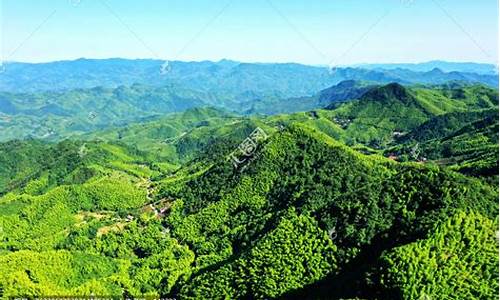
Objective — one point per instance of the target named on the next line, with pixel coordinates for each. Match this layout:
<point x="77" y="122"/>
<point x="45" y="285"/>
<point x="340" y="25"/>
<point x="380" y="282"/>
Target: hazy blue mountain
<point x="284" y="80"/>
<point x="467" y="67"/>
<point x="346" y="90"/>
<point x="405" y="76"/>
<point x="342" y="92"/>
<point x="236" y="78"/>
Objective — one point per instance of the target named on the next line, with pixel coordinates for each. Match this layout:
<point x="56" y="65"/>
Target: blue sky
<point x="323" y="32"/>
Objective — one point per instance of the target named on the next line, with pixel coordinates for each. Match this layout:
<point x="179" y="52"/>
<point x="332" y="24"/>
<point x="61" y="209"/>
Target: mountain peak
<point x="389" y="92"/>
<point x="436" y="70"/>
<point x="347" y="83"/>
<point x="343" y="91"/>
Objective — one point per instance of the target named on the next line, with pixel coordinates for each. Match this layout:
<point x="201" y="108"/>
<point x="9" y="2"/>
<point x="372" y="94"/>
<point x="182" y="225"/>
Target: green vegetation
<point x="315" y="211"/>
<point x="464" y="141"/>
<point x="39" y="102"/>
<point x="384" y="113"/>
<point x="458" y="261"/>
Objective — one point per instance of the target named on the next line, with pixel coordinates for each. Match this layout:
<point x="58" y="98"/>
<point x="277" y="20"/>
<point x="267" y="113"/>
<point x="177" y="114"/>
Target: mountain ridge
<point x="300" y="80"/>
<point x="304" y="212"/>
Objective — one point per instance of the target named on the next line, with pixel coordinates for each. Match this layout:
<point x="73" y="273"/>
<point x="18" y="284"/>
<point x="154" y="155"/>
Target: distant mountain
<point x="54" y="115"/>
<point x="405" y="76"/>
<point x="284" y="80"/>
<point x="51" y="115"/>
<point x="231" y="78"/>
<point x="54" y="100"/>
<point x="334" y="95"/>
<point x="437" y="76"/>
<point x="466" y="67"/>
<point x="344" y="91"/>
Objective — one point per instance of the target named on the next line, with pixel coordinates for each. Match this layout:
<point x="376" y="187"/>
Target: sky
<point x="317" y="32"/>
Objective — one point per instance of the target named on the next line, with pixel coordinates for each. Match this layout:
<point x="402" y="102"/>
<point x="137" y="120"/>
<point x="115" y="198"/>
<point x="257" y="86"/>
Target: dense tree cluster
<point x="457" y="261"/>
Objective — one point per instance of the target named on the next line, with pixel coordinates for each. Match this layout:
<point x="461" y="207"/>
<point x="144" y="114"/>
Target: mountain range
<point x="236" y="78"/>
<point x="54" y="100"/>
<point x="248" y="181"/>
<point x="465" y="67"/>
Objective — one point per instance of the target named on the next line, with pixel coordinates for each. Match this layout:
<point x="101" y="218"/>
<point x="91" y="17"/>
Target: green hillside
<point x="57" y="115"/>
<point x="350" y="196"/>
<point x="194" y="205"/>
<point x="390" y="111"/>
<point x="453" y="256"/>
<point x="390" y="119"/>
<point x="464" y="141"/>
<point x="305" y="210"/>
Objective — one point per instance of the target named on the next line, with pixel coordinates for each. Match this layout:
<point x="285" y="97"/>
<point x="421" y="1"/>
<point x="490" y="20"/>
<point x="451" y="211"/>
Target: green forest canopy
<point x="317" y="212"/>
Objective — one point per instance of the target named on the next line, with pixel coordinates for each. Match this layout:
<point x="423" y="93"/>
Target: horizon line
<point x="357" y="64"/>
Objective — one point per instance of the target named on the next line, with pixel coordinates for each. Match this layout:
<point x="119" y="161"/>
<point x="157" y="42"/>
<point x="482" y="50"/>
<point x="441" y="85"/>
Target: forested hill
<point x="58" y="115"/>
<point x="436" y="124"/>
<point x="334" y="203"/>
<point x="466" y="140"/>
<point x="304" y="215"/>
<point x="231" y="180"/>
<point x="307" y="208"/>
